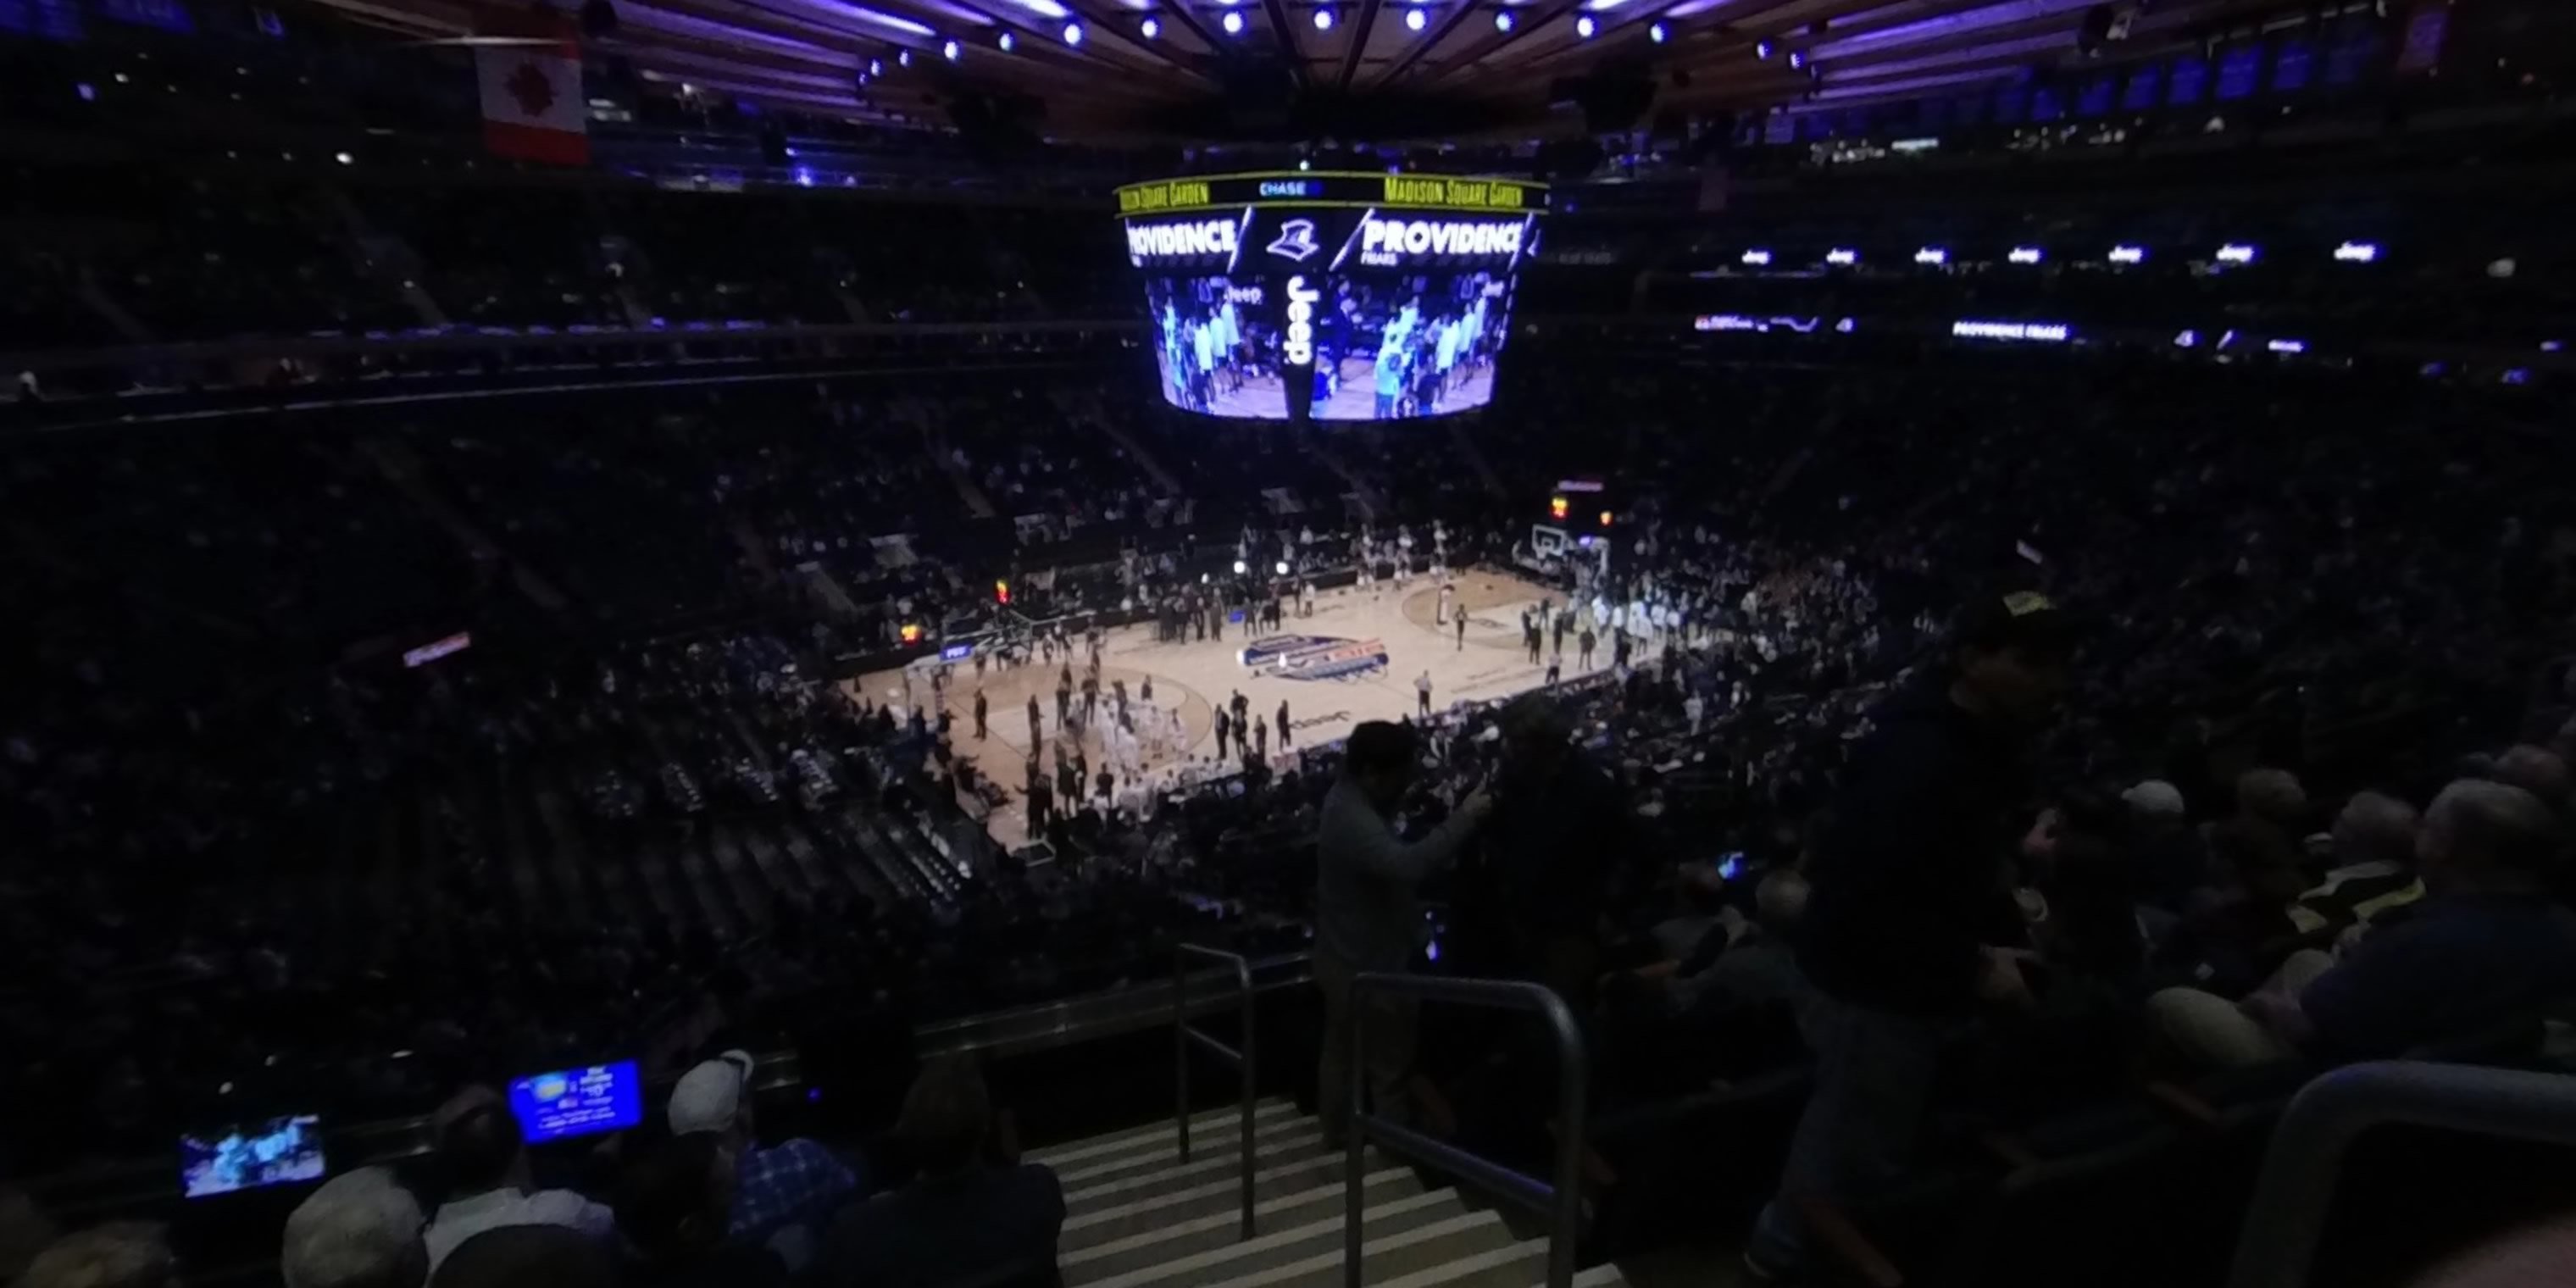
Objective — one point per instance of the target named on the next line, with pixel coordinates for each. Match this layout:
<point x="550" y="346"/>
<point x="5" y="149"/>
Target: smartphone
<point x="578" y="1102"/>
<point x="284" y="1150"/>
<point x="1729" y="864"/>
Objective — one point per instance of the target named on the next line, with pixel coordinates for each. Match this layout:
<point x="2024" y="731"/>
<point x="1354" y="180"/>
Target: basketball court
<point x="1324" y="667"/>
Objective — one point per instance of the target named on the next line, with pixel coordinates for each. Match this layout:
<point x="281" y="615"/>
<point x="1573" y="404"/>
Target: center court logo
<point x="1296" y="241"/>
<point x="1313" y="657"/>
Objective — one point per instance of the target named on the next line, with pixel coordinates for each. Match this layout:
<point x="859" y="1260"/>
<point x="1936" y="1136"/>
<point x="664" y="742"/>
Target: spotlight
<point x="1797" y="60"/>
<point x="951" y="50"/>
<point x="1503" y="20"/>
<point x="1762" y="50"/>
<point x="1324" y="19"/>
<point x="876" y="67"/>
<point x="1584" y="26"/>
<point x="1415" y="20"/>
<point x="1233" y="23"/>
<point x="1282" y="566"/>
<point x="1149" y="29"/>
<point x="903" y="58"/>
<point x="1655" y="33"/>
<point x="1004" y="42"/>
<point x="1073" y="33"/>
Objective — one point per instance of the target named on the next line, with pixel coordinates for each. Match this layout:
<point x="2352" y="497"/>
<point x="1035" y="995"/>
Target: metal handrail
<point x="1561" y="1202"/>
<point x="2288" y="1214"/>
<point x="1242" y="1060"/>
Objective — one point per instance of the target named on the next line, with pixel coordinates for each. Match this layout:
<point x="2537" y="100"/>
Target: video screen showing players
<point x="1387" y="346"/>
<point x="1216" y="349"/>
<point x="278" y="1151"/>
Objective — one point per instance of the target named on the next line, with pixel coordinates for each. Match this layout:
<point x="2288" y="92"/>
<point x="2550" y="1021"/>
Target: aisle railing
<point x="1242" y="1059"/>
<point x="1559" y="1200"/>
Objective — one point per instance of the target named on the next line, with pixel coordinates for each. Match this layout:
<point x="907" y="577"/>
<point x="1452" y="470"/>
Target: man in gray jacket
<point x="1365" y="915"/>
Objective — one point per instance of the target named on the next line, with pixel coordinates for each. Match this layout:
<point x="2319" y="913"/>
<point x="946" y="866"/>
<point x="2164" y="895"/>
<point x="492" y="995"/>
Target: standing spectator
<point x="980" y="709"/>
<point x="1365" y="915"/>
<point x="680" y="1209"/>
<point x="484" y="1156"/>
<point x="1908" y="886"/>
<point x="1422" y="694"/>
<point x="1284" y="739"/>
<point x="796" y="1182"/>
<point x="361" y="1229"/>
<point x="961" y="1217"/>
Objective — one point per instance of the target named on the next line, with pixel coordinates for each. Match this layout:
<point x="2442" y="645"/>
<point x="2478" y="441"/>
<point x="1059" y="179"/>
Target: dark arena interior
<point x="1287" y="643"/>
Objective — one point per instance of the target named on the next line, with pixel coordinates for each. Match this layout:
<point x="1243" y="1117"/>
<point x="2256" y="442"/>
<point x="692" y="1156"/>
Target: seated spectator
<point x="2272" y="796"/>
<point x="362" y="1229"/>
<point x="795" y="1183"/>
<point x="2373" y="877"/>
<point x="960" y="1217"/>
<point x="528" y="1256"/>
<point x="2539" y="771"/>
<point x="484" y="1156"/>
<point x="676" y="1206"/>
<point x="1754" y="962"/>
<point x="2244" y="930"/>
<point x="2164" y="851"/>
<point x="2486" y="945"/>
<point x="119" y="1254"/>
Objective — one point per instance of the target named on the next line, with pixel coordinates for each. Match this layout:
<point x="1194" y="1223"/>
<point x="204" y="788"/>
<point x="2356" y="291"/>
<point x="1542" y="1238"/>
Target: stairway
<point x="1138" y="1217"/>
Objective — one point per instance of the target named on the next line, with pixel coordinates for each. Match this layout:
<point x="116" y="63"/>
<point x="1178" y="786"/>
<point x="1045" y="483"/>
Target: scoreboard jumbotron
<point x="1307" y="295"/>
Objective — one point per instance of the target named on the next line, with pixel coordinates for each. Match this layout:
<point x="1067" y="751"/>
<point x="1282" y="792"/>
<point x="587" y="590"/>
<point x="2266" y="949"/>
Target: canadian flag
<point x="532" y="103"/>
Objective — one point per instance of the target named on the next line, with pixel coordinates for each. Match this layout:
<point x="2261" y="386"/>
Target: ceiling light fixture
<point x="1503" y="20"/>
<point x="1233" y="23"/>
<point x="1149" y="29"/>
<point x="1656" y="33"/>
<point x="1324" y="18"/>
<point x="1073" y="33"/>
<point x="1415" y="20"/>
<point x="1584" y="26"/>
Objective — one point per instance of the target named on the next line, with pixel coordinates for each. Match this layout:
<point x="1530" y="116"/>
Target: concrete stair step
<point x="1321" y="1232"/>
<point x="1127" y="1185"/>
<point x="1522" y="1265"/>
<point x="1156" y="1133"/>
<point x="1397" y="1257"/>
<point x="1122" y="1208"/>
<point x="1273" y="1140"/>
<point x="1159" y="1243"/>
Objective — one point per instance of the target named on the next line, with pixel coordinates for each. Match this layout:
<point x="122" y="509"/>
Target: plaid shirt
<point x="796" y="1181"/>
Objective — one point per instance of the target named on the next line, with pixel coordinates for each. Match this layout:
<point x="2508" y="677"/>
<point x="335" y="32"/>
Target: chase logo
<point x="1296" y="241"/>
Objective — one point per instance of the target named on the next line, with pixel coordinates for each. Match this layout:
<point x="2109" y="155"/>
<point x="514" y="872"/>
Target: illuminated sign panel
<point x="1339" y="188"/>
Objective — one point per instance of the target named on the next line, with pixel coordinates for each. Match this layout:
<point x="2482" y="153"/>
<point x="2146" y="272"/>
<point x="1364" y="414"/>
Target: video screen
<point x="1386" y="346"/>
<point x="277" y="1151"/>
<point x="577" y="1102"/>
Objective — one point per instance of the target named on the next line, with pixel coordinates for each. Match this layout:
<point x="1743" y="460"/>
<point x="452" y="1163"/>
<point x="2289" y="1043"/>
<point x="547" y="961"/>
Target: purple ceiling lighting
<point x="1997" y="15"/>
<point x="825" y="10"/>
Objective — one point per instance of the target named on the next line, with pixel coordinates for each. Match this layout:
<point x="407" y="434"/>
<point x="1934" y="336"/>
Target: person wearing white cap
<point x="794" y="1183"/>
<point x="360" y="1230"/>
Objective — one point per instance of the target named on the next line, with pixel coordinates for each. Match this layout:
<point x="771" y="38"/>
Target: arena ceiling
<point x="1376" y="70"/>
